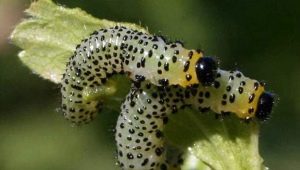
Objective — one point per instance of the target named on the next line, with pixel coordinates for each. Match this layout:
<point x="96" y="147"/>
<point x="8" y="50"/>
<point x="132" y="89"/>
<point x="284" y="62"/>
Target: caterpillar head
<point x="264" y="106"/>
<point x="206" y="70"/>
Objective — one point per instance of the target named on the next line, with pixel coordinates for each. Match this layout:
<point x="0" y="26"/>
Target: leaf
<point x="50" y="34"/>
<point x="215" y="144"/>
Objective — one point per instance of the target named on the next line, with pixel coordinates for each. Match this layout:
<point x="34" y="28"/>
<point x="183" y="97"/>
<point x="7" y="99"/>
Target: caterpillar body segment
<point x="139" y="133"/>
<point x="231" y="92"/>
<point x="120" y="50"/>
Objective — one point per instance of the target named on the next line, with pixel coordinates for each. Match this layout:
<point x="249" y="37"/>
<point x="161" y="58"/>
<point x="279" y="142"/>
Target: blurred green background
<point x="261" y="38"/>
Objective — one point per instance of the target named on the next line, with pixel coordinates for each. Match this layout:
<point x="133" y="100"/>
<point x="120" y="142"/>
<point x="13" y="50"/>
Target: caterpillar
<point x="144" y="113"/>
<point x="140" y="55"/>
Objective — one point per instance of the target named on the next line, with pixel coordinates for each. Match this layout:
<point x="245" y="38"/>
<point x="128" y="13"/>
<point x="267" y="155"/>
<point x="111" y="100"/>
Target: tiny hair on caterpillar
<point x="141" y="56"/>
<point x="145" y="112"/>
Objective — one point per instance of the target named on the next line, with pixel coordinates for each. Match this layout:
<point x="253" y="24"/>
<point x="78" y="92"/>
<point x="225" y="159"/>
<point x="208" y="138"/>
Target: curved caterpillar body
<point x="140" y="55"/>
<point x="139" y="130"/>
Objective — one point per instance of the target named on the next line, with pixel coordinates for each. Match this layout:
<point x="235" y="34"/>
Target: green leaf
<point x="50" y="34"/>
<point x="211" y="143"/>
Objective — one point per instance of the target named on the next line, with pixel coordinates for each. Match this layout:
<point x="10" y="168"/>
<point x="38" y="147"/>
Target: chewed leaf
<point x="50" y="34"/>
<point x="215" y="144"/>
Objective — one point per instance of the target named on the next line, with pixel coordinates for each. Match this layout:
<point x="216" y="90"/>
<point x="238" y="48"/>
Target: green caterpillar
<point x="122" y="50"/>
<point x="144" y="113"/>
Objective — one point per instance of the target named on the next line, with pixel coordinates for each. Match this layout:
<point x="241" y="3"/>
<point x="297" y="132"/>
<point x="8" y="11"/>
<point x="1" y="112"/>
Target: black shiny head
<point x="206" y="70"/>
<point x="264" y="106"/>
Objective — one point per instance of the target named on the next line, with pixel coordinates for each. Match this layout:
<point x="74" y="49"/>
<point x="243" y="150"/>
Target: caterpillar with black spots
<point x="141" y="56"/>
<point x="145" y="112"/>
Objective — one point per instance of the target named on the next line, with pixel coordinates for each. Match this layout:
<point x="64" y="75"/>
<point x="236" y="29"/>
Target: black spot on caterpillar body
<point x="139" y="130"/>
<point x="139" y="133"/>
<point x="231" y="92"/>
<point x="122" y="50"/>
